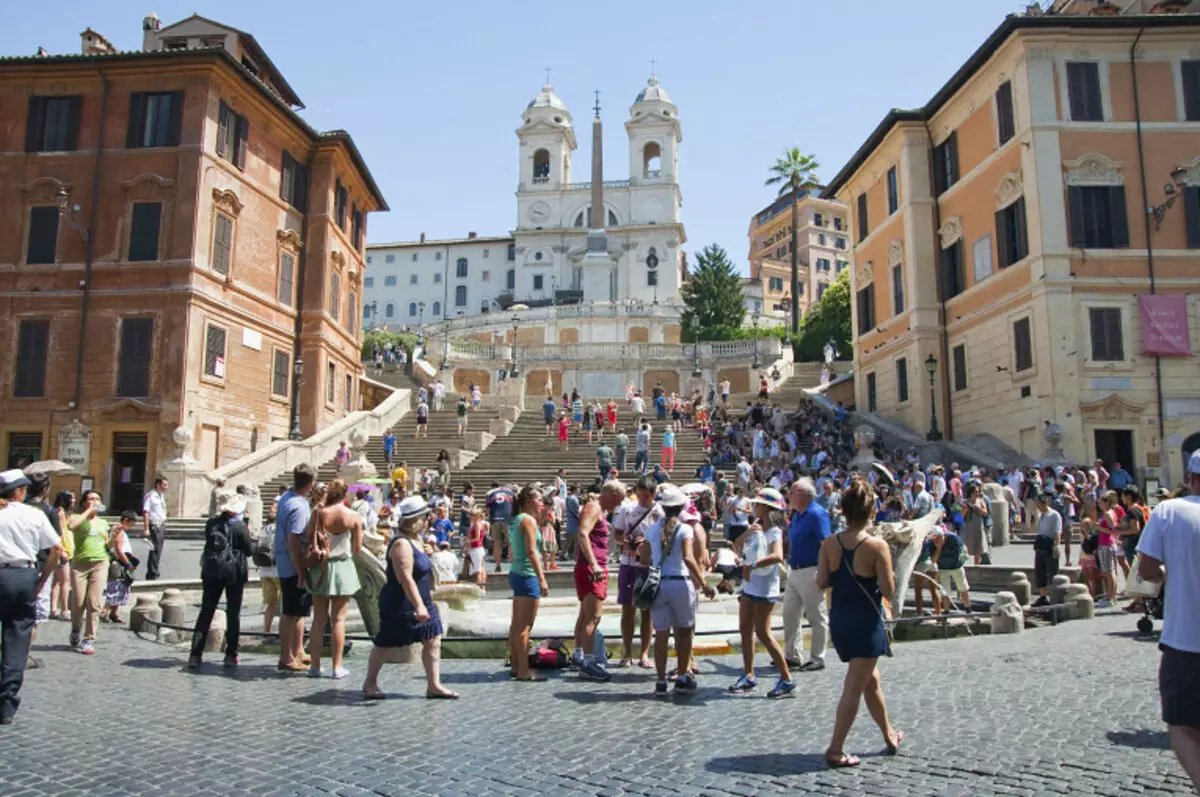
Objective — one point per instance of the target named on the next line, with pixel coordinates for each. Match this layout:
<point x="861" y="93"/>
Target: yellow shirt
<point x="400" y="475"/>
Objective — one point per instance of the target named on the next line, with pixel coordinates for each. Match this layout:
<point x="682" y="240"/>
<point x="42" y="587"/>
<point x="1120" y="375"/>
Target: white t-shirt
<point x="629" y="514"/>
<point x="764" y="581"/>
<point x="446" y="565"/>
<point x="1172" y="536"/>
<point x="24" y="530"/>
<point x="639" y="405"/>
<point x="672" y="564"/>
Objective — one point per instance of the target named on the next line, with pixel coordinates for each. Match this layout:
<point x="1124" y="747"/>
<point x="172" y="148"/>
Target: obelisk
<point x="597" y="265"/>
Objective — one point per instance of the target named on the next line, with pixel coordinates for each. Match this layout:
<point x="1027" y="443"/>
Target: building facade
<point x="1000" y="241"/>
<point x="824" y="251"/>
<point x="176" y="246"/>
<point x="430" y="280"/>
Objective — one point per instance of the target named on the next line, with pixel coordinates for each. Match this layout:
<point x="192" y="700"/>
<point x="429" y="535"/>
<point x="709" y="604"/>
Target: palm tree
<point x="794" y="173"/>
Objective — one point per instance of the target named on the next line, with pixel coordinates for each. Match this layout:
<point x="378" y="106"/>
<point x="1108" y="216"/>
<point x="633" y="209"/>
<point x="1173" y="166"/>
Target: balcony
<point x="541" y="180"/>
<point x="588" y="184"/>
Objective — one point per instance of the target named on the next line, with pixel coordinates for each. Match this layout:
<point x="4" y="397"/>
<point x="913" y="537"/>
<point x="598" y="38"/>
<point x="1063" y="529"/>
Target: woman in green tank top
<point x="527" y="579"/>
<point x="89" y="569"/>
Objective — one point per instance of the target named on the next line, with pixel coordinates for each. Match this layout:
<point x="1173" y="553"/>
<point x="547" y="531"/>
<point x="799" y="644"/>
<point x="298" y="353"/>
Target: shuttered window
<point x="1006" y="124"/>
<point x="954" y="274"/>
<point x="945" y="164"/>
<point x="233" y="131"/>
<point x="214" y="351"/>
<point x="1012" y="239"/>
<point x="330" y="382"/>
<point x="1022" y="345"/>
<point x="293" y="182"/>
<point x="959" y="355"/>
<point x="281" y="373"/>
<point x="1191" y="202"/>
<point x="1107" y="342"/>
<point x="144" y="225"/>
<point x="1098" y="217"/>
<point x="287" y="268"/>
<point x="340" y="198"/>
<point x="1083" y="91"/>
<point x="33" y="340"/>
<point x="53" y="124"/>
<point x="902" y="380"/>
<point x="893" y="190"/>
<point x="335" y="296"/>
<point x="871" y="396"/>
<point x="351" y="312"/>
<point x="897" y="289"/>
<point x="43" y="234"/>
<point x="348" y="398"/>
<point x="155" y="119"/>
<point x="222" y="244"/>
<point x="864" y="223"/>
<point x="1190" y="72"/>
<point x="356" y="226"/>
<point x="133" y="360"/>
<point x="866" y="309"/>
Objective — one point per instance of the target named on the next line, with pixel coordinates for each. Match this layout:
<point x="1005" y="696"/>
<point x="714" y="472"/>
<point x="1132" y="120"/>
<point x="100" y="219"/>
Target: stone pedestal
<point x="172" y="606"/>
<point x="1058" y="588"/>
<point x="215" y="642"/>
<point x="145" y="614"/>
<point x="1007" y="616"/>
<point x="510" y="413"/>
<point x="1019" y="586"/>
<point x="188" y="484"/>
<point x="478" y="441"/>
<point x="1079" y="603"/>
<point x="498" y="427"/>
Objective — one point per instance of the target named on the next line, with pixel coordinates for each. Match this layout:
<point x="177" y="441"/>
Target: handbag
<point x="1138" y="586"/>
<point x="887" y="629"/>
<point x="645" y="589"/>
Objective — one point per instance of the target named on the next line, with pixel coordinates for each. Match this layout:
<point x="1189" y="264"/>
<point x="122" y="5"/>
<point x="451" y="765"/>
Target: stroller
<point x="1152" y="609"/>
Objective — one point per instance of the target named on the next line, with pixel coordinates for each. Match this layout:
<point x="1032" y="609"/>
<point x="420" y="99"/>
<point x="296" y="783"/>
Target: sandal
<point x="840" y="760"/>
<point x="626" y="662"/>
<point x="533" y="678"/>
<point x="374" y="695"/>
<point x="441" y="695"/>
<point x="894" y="747"/>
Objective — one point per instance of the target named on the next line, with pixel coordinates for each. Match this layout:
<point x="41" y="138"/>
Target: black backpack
<point x="221" y="559"/>
<point x="264" y="548"/>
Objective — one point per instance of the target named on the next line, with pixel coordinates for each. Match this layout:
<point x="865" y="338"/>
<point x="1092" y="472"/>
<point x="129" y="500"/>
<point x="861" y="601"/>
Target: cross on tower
<point x="597" y="107"/>
<point x="653" y="65"/>
<point x="547" y="76"/>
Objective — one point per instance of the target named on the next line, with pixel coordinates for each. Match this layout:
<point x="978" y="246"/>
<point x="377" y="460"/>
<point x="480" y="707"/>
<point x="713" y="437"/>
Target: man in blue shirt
<point x="1119" y="478"/>
<point x="290" y="522"/>
<point x="389" y="447"/>
<point x="808" y="528"/>
<point x="500" y="502"/>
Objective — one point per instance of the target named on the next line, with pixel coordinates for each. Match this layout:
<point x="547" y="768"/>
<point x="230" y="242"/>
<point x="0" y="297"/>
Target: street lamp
<point x="931" y="365"/>
<point x="421" y="324"/>
<point x="1178" y="181"/>
<point x="67" y="211"/>
<point x="754" y="317"/>
<point x="514" y="371"/>
<point x="446" y="345"/>
<point x="374" y="308"/>
<point x="297" y="372"/>
<point x="694" y="323"/>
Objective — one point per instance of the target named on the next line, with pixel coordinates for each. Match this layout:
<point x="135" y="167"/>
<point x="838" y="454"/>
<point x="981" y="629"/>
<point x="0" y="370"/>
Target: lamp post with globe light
<point x="514" y="370"/>
<point x="755" y="316"/>
<point x="297" y="373"/>
<point x="931" y="364"/>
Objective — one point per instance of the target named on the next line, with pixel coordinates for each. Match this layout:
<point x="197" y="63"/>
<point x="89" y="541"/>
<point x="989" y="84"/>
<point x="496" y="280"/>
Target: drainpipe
<point x="90" y="243"/>
<point x="1137" y="115"/>
<point x="937" y="225"/>
<point x="301" y="274"/>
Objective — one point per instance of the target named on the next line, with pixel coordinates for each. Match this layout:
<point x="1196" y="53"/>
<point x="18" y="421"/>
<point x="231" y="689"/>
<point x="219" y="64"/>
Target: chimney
<point x="422" y="237"/>
<point x="93" y="43"/>
<point x="150" y="27"/>
<point x="471" y="235"/>
<point x="41" y="52"/>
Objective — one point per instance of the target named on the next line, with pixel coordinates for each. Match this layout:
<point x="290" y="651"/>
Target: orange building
<point x="174" y="240"/>
<point x="824" y="251"/>
<point x="999" y="238"/>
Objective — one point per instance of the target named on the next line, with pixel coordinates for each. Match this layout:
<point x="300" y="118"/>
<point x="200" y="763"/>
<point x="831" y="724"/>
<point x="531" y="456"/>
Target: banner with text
<point x="1165" y="324"/>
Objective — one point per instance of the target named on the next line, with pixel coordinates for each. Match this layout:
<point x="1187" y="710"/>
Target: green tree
<point x="794" y="173"/>
<point x="713" y="297"/>
<point x="380" y="338"/>
<point x="828" y="320"/>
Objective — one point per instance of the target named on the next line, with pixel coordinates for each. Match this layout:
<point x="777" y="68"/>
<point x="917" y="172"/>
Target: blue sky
<point x="432" y="91"/>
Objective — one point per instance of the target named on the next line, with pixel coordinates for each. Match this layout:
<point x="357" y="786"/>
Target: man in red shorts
<point x="591" y="576"/>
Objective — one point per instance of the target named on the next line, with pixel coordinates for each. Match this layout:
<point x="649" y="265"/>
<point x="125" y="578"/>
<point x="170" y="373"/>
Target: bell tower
<point x="654" y="136"/>
<point x="546" y="141"/>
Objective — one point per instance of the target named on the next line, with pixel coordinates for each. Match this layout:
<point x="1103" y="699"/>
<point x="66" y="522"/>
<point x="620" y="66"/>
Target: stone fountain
<point x="359" y="467"/>
<point x="864" y="452"/>
<point x="905" y="539"/>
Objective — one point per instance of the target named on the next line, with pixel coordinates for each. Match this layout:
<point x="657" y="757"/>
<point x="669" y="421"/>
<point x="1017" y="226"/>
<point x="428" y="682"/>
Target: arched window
<point x="652" y="160"/>
<point x="541" y="166"/>
<point x="366" y="311"/>
<point x="389" y="311"/>
<point x="585" y="218"/>
<point x="437" y="309"/>
<point x="461" y="267"/>
<point x="412" y="308"/>
<point x="484" y="305"/>
<point x="460" y="296"/>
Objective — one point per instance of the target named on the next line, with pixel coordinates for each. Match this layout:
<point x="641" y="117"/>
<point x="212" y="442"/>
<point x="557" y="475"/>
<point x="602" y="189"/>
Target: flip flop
<point x="841" y="761"/>
<point x="441" y="695"/>
<point x="530" y="679"/>
<point x="625" y="663"/>
<point x="894" y="748"/>
<point x="293" y="667"/>
<point x="374" y="695"/>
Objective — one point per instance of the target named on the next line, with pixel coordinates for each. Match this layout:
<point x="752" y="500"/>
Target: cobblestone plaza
<point x="1071" y="709"/>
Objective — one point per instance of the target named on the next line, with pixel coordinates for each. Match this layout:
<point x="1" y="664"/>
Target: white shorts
<point x="41" y="605"/>
<point x="475" y="557"/>
<point x="956" y="578"/>
<point x="675" y="605"/>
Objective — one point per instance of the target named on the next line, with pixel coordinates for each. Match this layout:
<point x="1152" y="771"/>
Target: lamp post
<point x="694" y="323"/>
<point x="514" y="370"/>
<point x="374" y="308"/>
<point x="931" y="364"/>
<point x="421" y="324"/>
<point x="1178" y="181"/>
<point x="446" y="345"/>
<point x="755" y="316"/>
<point x="67" y="211"/>
<point x="297" y="373"/>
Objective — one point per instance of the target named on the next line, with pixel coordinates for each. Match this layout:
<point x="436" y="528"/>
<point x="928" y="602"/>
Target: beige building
<point x="824" y="251"/>
<point x="999" y="231"/>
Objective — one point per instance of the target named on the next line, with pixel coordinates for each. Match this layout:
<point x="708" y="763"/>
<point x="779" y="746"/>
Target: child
<point x="269" y="577"/>
<point x="476" y="397"/>
<point x="726" y="565"/>
<point x="1088" y="569"/>
<point x="443" y="527"/>
<point x="564" y="433"/>
<point x="476" y="535"/>
<point x="549" y="538"/>
<point x="668" y="449"/>
<point x="120" y="567"/>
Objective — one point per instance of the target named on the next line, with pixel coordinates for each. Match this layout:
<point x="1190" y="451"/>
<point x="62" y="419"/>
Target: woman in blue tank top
<point x="858" y="569"/>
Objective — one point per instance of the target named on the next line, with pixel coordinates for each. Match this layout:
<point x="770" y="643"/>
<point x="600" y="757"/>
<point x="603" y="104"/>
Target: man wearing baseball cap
<point x="24" y="532"/>
<point x="1171" y="543"/>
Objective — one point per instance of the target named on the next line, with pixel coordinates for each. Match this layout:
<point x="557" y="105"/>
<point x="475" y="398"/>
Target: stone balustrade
<point x="733" y="350"/>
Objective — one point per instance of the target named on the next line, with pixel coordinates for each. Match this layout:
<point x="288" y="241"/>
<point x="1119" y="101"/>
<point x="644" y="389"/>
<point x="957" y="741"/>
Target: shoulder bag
<point x="645" y="589"/>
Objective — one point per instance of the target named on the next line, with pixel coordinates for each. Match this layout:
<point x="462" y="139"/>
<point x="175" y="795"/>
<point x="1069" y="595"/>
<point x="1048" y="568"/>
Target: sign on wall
<point x="1165" y="324"/>
<point x="75" y="445"/>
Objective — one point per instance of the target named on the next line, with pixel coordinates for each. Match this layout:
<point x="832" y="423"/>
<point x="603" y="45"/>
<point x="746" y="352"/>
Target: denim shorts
<point x="524" y="586"/>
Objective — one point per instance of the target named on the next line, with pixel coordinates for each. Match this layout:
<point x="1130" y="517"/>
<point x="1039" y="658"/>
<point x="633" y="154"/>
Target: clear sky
<point x="433" y="91"/>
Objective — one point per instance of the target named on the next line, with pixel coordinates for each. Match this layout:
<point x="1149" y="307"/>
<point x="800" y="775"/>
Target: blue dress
<point x="397" y="624"/>
<point x="855" y="618"/>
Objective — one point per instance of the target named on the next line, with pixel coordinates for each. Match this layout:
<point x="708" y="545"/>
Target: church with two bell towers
<point x="597" y="241"/>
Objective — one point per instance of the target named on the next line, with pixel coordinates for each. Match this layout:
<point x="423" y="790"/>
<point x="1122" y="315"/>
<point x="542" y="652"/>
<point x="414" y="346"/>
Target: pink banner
<point x="1165" y="324"/>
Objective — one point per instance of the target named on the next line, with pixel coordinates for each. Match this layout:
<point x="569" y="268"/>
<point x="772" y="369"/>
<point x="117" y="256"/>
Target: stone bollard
<point x="172" y="606"/>
<point x="216" y="633"/>
<point x="1007" y="616"/>
<point x="1019" y="586"/>
<point x="998" y="512"/>
<point x="1058" y="587"/>
<point x="1079" y="603"/>
<point x="145" y="614"/>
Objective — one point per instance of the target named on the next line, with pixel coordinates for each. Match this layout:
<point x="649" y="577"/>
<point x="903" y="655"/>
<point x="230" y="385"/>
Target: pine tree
<point x="713" y="297"/>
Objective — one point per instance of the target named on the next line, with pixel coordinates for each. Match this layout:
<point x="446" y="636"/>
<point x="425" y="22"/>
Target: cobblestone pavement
<point x="1071" y="709"/>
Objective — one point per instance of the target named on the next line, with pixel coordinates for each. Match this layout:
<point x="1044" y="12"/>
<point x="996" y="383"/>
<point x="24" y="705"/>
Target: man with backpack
<point x="223" y="572"/>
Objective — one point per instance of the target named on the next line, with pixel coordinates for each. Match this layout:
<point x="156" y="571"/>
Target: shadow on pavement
<point x="1144" y="738"/>
<point x="595" y="698"/>
<point x="243" y="672"/>
<point x="1135" y="635"/>
<point x="344" y="697"/>
<point x="769" y="763"/>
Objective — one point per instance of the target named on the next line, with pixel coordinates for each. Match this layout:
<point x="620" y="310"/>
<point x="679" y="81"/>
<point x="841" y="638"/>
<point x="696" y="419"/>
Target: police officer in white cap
<point x="24" y="531"/>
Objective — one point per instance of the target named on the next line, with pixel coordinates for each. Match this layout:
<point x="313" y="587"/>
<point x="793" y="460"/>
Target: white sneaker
<point x="339" y="673"/>
<point x="314" y="671"/>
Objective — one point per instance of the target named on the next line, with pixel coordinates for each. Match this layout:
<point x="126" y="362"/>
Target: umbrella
<point x="375" y="481"/>
<point x="49" y="467"/>
<point x="519" y="307"/>
<point x="694" y="489"/>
